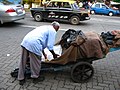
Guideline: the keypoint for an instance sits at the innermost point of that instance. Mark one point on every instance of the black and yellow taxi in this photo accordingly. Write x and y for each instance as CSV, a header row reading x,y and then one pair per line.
x,y
60,10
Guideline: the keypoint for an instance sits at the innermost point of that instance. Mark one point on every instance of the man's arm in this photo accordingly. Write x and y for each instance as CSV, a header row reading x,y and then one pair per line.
x,y
53,53
44,54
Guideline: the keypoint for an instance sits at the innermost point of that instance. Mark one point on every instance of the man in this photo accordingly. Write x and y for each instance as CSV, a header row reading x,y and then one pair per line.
x,y
75,5
33,46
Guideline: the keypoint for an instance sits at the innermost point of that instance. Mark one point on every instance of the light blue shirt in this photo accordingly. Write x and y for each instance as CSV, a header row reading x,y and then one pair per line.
x,y
75,6
40,38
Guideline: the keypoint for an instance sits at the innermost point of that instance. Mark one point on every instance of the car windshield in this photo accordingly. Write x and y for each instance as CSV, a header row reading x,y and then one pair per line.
x,y
1,3
97,5
5,3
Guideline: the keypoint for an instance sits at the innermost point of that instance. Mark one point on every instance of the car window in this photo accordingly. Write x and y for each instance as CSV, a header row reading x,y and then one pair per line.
x,y
65,5
5,3
103,6
59,4
55,4
52,4
1,3
97,5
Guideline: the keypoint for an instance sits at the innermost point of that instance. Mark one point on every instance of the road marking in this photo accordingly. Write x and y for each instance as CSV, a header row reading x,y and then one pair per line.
x,y
105,20
29,26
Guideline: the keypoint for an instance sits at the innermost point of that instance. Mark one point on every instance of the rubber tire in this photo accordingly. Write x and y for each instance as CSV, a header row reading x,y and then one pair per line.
x,y
38,17
92,12
74,20
0,23
80,71
110,13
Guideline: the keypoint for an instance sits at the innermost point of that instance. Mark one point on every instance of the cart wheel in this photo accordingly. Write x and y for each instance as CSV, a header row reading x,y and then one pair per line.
x,y
81,72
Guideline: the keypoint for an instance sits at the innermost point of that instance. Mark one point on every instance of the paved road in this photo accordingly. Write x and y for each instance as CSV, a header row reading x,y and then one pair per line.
x,y
107,70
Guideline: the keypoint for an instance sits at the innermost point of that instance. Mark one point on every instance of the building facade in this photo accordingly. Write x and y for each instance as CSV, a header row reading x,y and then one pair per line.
x,y
33,3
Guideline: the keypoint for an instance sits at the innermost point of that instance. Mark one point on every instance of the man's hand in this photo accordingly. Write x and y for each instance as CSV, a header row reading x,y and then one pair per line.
x,y
55,56
45,56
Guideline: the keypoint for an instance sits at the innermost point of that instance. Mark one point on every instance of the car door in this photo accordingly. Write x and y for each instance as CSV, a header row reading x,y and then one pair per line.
x,y
64,11
56,11
52,12
104,9
96,8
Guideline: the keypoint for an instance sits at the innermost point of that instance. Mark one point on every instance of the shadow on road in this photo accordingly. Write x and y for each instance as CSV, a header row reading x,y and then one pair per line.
x,y
11,24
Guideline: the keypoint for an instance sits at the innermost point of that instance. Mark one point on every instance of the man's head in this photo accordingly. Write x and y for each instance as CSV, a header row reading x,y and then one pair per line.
x,y
56,25
77,1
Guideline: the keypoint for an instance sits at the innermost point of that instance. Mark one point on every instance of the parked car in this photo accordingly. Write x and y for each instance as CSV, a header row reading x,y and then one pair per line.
x,y
60,10
10,12
101,8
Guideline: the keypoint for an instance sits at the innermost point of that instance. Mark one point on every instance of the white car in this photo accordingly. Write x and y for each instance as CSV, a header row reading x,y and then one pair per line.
x,y
11,12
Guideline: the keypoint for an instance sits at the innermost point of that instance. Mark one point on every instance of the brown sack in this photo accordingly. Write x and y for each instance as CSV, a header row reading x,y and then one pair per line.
x,y
92,47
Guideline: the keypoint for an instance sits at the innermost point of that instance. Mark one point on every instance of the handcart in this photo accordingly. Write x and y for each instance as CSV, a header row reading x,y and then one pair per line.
x,y
74,43
80,72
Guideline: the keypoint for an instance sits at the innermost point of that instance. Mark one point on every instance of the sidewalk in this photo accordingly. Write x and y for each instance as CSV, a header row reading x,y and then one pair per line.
x,y
106,75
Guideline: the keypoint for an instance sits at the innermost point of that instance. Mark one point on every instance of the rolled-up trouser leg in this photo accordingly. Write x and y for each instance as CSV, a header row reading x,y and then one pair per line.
x,y
22,63
35,65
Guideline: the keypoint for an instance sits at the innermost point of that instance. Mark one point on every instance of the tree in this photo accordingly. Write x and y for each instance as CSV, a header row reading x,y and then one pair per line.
x,y
117,1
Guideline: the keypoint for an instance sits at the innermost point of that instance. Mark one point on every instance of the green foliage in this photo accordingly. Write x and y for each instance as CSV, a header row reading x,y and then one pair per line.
x,y
116,1
28,1
99,0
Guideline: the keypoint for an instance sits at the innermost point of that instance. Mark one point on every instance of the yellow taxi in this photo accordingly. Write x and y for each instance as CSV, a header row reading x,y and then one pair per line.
x,y
59,10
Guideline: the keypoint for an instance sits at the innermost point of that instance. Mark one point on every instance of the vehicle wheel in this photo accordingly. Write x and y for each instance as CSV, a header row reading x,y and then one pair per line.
x,y
0,23
110,14
38,17
92,12
82,72
74,20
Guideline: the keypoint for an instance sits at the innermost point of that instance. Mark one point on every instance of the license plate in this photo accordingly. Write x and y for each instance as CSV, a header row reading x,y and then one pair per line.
x,y
19,10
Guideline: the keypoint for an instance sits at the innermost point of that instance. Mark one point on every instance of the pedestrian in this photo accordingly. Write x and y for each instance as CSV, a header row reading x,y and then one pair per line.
x,y
75,5
33,46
